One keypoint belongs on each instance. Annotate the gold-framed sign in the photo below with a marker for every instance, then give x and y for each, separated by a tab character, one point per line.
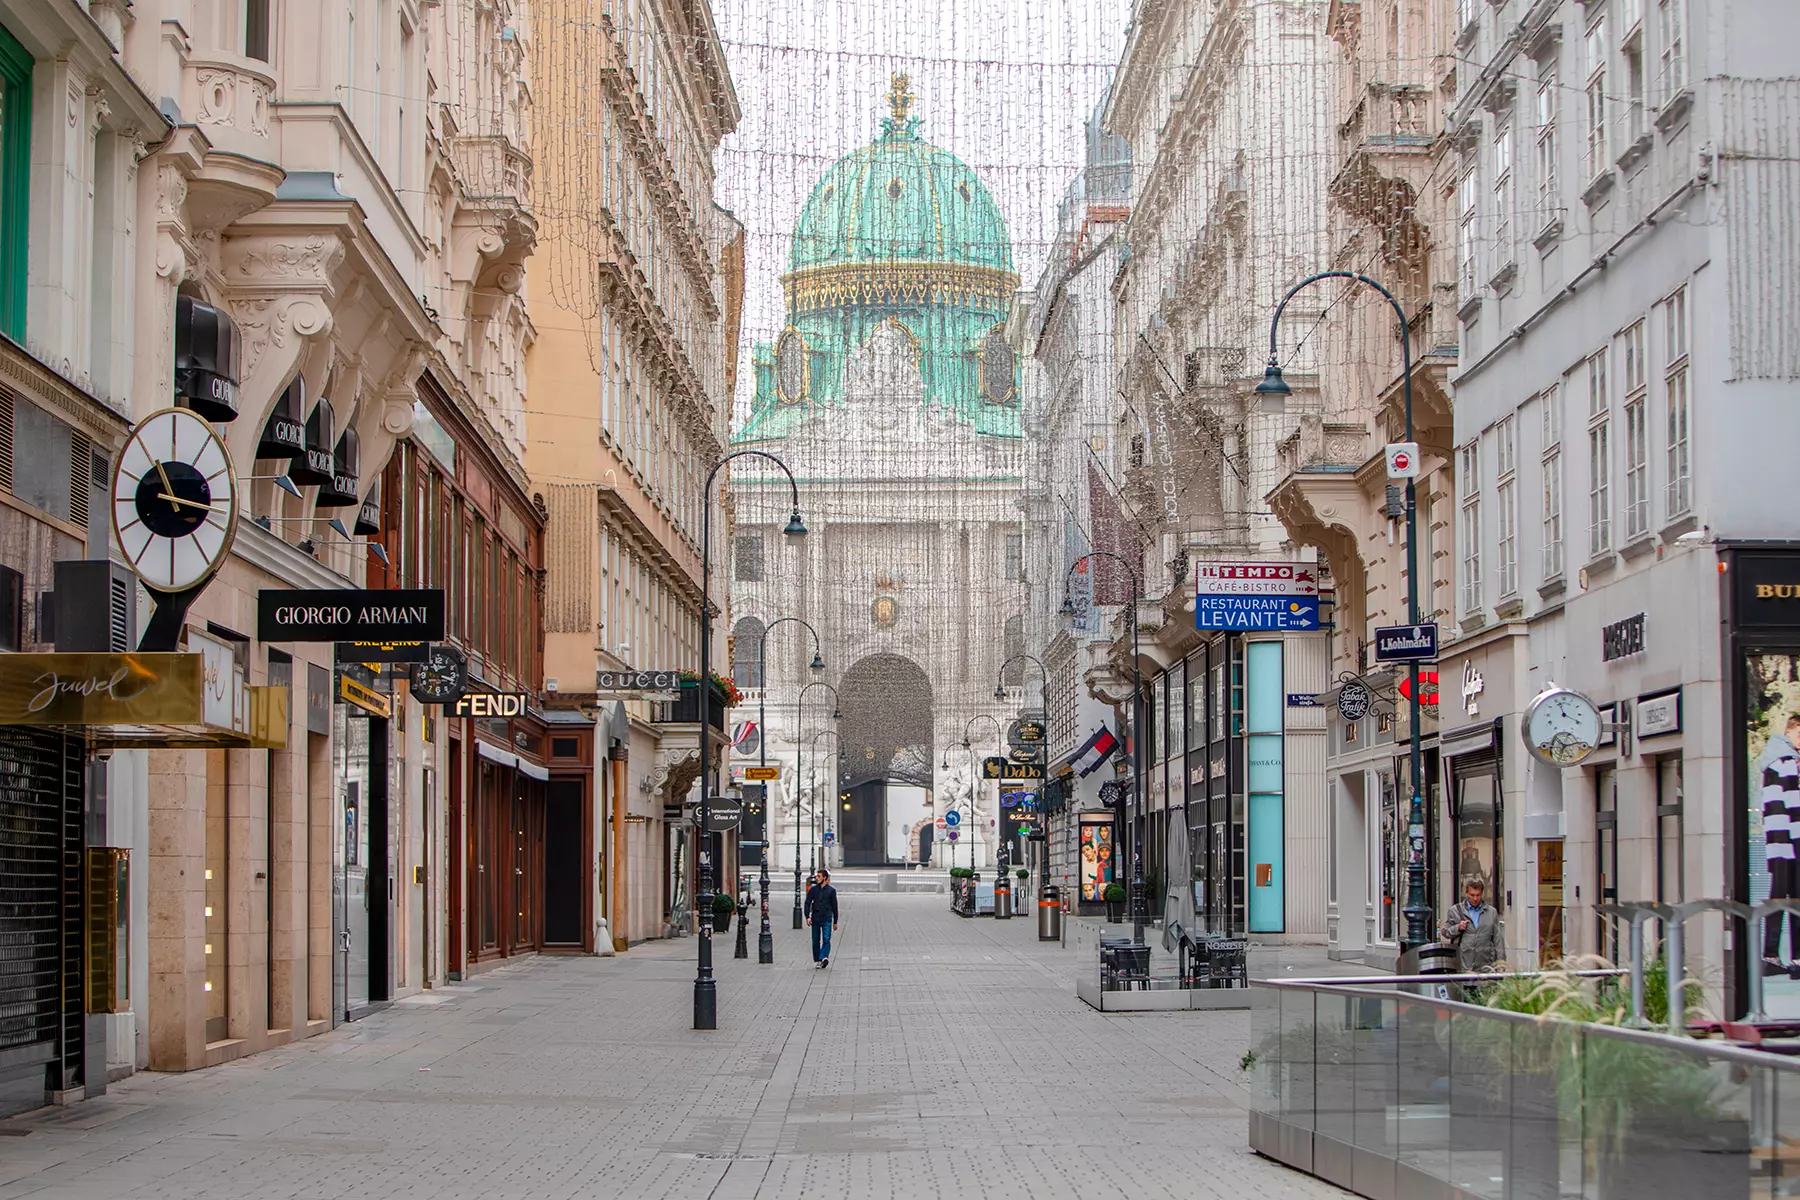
101	689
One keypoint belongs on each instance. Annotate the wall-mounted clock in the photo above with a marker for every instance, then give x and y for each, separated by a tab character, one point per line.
174	500
442	677
1561	727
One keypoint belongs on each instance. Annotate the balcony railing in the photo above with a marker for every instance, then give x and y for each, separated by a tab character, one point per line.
686	709
1393	1094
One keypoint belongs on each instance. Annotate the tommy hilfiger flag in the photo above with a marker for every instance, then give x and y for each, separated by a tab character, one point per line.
1095	751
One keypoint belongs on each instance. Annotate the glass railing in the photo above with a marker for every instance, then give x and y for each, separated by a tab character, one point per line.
1386	1093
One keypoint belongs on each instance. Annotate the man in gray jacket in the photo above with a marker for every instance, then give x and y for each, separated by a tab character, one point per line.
1474	929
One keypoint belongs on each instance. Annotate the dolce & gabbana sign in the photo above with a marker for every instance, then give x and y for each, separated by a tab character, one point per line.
350	615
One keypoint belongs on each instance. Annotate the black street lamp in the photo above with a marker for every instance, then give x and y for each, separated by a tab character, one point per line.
765	940
813	775
975	772
799	710
706	989
1140	914
1275	389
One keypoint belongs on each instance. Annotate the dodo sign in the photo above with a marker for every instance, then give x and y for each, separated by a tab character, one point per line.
1403	460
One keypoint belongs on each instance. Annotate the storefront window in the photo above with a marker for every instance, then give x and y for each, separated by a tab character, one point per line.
1771	735
1606	854
1670	876
1390	854
1196	702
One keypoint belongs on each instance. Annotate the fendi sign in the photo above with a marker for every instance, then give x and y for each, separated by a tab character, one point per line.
1766	587
490	704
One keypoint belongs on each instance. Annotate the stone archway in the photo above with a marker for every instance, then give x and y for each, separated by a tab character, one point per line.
886	734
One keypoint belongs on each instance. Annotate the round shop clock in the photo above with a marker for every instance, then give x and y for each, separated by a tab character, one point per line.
442	677
174	500
1561	727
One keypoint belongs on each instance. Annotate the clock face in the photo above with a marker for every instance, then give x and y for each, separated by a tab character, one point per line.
442	677
174	500
1562	727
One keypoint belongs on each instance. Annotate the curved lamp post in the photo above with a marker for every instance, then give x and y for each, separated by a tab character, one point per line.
706	989
813	774
1140	915
1274	389
974	771
765	940
799	707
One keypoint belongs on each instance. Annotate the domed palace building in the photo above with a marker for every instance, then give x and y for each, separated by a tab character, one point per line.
892	393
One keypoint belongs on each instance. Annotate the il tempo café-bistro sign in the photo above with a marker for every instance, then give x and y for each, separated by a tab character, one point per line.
350	615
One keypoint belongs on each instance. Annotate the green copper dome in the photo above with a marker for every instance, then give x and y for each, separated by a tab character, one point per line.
901	198
903	234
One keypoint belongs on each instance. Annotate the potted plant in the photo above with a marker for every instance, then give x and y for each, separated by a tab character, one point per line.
723	907
1115	902
1022	873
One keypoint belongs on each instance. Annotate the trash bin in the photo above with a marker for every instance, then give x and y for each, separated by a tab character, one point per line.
1438	960
1003	898
1050	913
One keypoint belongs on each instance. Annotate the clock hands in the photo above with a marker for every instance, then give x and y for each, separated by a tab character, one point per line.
190	503
167	486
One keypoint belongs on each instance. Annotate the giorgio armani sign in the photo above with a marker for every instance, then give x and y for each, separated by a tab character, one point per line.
350	615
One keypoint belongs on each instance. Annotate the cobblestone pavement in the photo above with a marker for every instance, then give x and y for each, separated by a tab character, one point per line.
936	1056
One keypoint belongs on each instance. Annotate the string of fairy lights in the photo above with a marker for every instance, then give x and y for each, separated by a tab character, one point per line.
685	187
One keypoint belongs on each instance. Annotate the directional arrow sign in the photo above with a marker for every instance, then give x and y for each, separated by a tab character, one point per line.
762	773
953	818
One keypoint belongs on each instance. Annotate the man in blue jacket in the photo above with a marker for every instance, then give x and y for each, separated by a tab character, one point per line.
822	914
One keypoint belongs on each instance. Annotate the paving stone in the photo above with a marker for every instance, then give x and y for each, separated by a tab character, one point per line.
936	1056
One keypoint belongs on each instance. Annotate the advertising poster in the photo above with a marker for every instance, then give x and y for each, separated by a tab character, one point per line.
1772	753
1096	859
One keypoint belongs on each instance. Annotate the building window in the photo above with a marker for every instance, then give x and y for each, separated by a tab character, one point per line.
1506	496
1636	80
1596	159
1013	555
747	558
1469	535
746	653
1545	139
1671	34
254	18
1552	560
1599	458
1466	193
15	181
1637	434
1678	487
1503	148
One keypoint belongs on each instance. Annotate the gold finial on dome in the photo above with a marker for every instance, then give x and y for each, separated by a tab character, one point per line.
900	102
900	97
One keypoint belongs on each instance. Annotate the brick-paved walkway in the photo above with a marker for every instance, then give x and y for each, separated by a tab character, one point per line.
936	1057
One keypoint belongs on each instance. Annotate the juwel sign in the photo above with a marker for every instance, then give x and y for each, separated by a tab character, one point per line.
101	689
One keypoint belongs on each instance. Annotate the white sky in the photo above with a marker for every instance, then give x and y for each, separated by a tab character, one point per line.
1004	84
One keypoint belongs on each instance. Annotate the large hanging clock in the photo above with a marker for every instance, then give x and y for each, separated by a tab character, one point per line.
1561	727
442	677
174	500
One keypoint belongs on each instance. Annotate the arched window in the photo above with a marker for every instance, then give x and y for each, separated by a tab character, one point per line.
746	637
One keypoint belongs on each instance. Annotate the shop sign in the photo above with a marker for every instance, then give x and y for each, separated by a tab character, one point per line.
1472	687
1767	589
101	689
762	772
1000	768
1354	699
637	681
1256	579
1658	714
1622	639
491	704
1026	731
364	697
723	814
382	652
350	615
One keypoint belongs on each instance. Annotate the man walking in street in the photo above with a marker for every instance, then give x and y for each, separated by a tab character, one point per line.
822	914
1474	929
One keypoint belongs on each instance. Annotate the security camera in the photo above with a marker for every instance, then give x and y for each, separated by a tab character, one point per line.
1691	537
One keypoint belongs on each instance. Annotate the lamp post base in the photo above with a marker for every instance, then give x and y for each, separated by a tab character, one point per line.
706	1004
